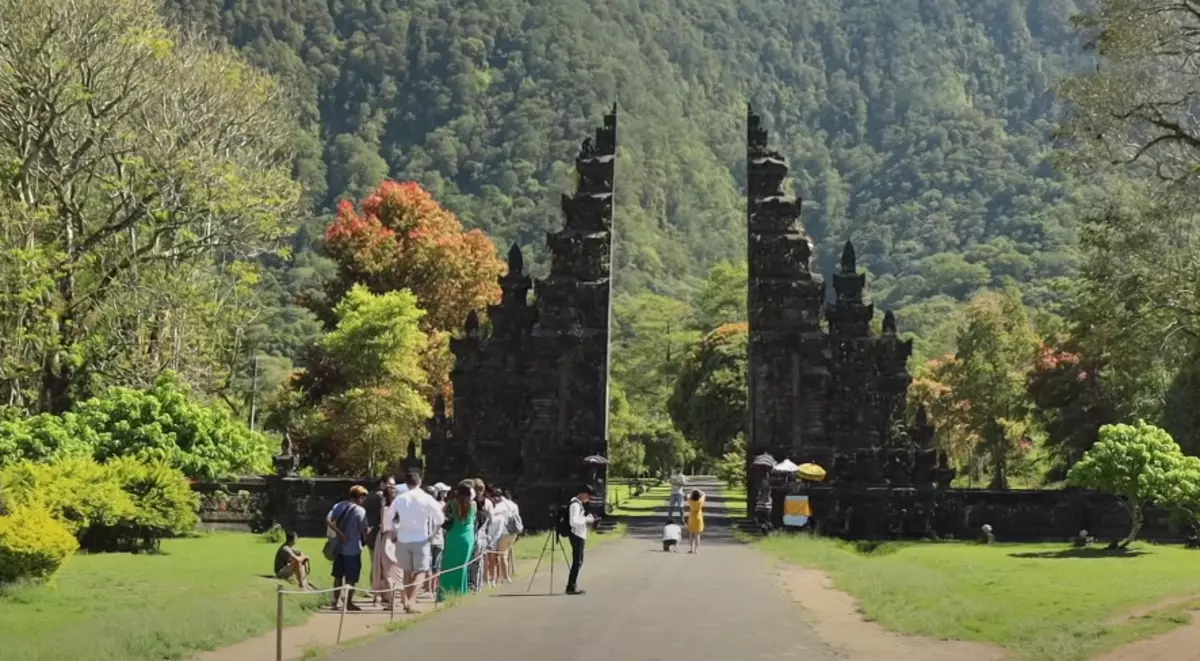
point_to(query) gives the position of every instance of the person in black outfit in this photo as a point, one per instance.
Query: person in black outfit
(578, 520)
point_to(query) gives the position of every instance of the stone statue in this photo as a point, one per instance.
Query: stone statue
(286, 462)
(849, 260)
(1082, 540)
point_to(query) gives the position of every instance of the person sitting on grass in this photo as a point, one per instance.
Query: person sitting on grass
(291, 562)
(672, 533)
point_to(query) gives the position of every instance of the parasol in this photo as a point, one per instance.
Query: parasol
(764, 460)
(811, 472)
(786, 466)
(595, 460)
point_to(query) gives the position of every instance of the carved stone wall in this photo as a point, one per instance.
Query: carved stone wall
(1015, 515)
(530, 396)
(837, 396)
(833, 394)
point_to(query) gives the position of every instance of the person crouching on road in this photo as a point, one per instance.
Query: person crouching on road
(671, 535)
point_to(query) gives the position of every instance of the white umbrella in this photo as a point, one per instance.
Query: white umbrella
(786, 466)
(764, 460)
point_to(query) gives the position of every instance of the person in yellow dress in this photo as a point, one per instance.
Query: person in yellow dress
(695, 520)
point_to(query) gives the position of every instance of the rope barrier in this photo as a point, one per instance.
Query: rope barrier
(347, 589)
(400, 587)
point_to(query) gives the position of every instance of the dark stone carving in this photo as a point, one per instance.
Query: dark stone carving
(530, 395)
(286, 462)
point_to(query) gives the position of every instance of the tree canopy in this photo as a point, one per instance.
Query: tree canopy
(139, 166)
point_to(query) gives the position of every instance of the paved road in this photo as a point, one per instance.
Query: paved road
(642, 605)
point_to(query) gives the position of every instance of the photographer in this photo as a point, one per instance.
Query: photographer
(578, 521)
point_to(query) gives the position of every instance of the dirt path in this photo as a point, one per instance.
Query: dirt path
(835, 618)
(1181, 644)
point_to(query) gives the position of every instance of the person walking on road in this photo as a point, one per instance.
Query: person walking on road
(579, 520)
(695, 520)
(678, 482)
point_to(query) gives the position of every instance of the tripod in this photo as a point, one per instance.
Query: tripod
(552, 541)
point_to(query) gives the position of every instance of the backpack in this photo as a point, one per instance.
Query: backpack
(563, 526)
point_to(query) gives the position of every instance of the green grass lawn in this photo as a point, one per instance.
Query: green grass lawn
(654, 498)
(735, 500)
(199, 593)
(529, 547)
(1039, 601)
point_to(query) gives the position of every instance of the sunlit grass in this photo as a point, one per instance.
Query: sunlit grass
(198, 594)
(1039, 601)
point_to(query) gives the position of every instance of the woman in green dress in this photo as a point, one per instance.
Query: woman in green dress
(460, 542)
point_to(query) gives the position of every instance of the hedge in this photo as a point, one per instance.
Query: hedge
(33, 544)
(124, 505)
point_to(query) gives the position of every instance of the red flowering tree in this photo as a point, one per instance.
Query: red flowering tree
(1068, 400)
(401, 238)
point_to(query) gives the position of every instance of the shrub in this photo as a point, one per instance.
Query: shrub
(78, 492)
(33, 544)
(124, 505)
(164, 424)
(159, 424)
(274, 535)
(165, 507)
(45, 437)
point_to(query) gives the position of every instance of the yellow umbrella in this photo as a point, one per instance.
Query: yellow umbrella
(811, 472)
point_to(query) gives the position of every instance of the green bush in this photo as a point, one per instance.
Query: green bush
(33, 544)
(78, 492)
(164, 424)
(165, 507)
(159, 424)
(45, 437)
(274, 535)
(124, 505)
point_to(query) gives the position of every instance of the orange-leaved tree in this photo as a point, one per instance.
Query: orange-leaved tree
(401, 238)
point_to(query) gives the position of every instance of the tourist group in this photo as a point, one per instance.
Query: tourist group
(412, 533)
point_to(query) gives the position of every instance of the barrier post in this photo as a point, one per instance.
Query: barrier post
(342, 619)
(279, 623)
(392, 617)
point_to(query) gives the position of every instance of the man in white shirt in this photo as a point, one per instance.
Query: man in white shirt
(672, 533)
(579, 519)
(411, 520)
(678, 482)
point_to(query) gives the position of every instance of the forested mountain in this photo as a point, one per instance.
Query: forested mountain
(919, 128)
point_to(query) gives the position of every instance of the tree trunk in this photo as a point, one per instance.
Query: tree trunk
(1000, 478)
(56, 385)
(1135, 526)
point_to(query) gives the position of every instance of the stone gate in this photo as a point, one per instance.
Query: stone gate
(531, 387)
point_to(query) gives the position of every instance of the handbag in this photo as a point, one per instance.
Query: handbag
(514, 526)
(330, 548)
